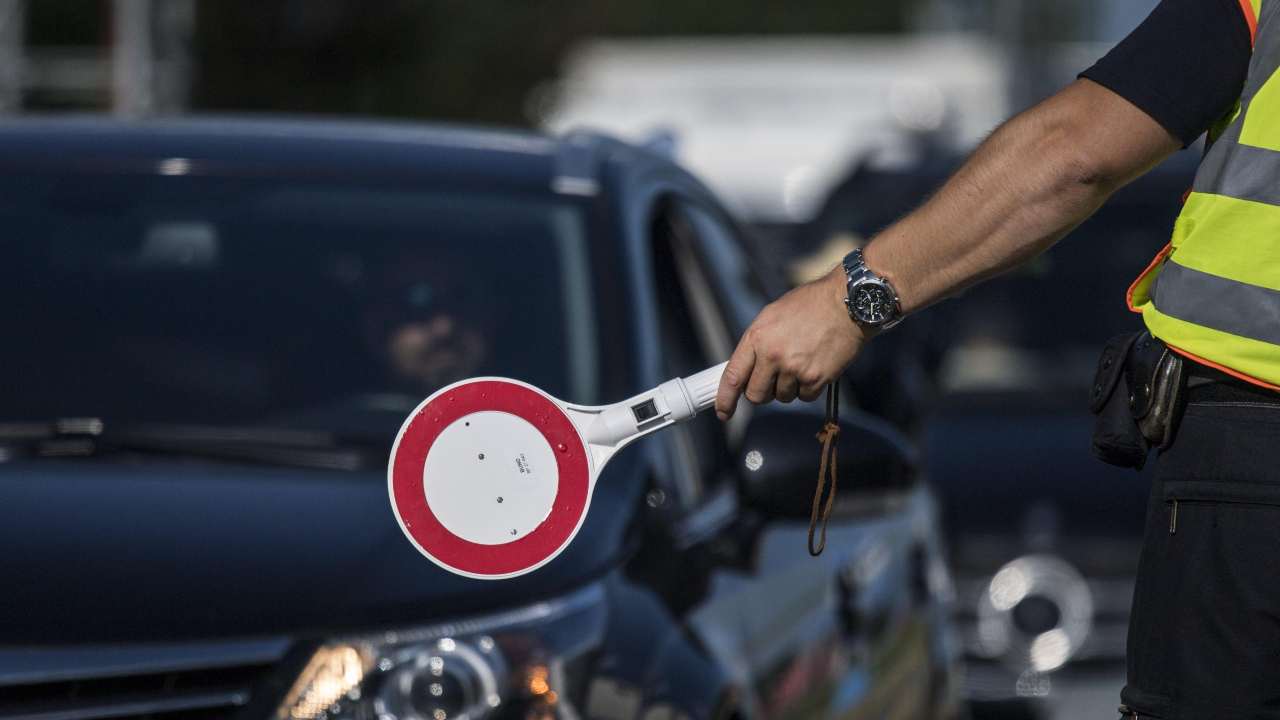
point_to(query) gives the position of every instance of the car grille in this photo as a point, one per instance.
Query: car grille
(164, 682)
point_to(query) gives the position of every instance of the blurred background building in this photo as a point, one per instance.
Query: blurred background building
(820, 121)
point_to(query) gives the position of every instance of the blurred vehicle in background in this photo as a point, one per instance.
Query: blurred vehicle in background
(1043, 537)
(214, 328)
(807, 107)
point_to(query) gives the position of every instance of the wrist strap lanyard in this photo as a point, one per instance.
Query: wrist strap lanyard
(827, 436)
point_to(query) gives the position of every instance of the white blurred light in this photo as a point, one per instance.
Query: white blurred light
(802, 188)
(174, 166)
(1008, 588)
(917, 105)
(332, 672)
(1050, 650)
(1033, 684)
(998, 632)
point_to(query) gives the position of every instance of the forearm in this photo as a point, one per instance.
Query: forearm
(1030, 183)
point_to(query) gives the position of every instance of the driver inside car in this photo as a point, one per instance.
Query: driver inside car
(424, 326)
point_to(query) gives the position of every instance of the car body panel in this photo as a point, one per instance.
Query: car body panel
(713, 610)
(260, 550)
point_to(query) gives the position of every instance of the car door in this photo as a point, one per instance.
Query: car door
(846, 634)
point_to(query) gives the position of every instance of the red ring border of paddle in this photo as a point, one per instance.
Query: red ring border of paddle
(409, 500)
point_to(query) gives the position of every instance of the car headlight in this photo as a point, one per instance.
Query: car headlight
(518, 664)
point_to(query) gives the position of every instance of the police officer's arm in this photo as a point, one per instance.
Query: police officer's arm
(1037, 177)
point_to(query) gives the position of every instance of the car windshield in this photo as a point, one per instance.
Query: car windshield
(287, 303)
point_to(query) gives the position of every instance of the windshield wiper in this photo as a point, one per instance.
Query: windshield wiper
(91, 437)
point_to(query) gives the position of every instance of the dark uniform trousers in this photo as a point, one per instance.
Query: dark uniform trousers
(1204, 635)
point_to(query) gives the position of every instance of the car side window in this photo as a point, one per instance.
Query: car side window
(737, 285)
(694, 337)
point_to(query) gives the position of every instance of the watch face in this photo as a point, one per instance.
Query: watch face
(872, 304)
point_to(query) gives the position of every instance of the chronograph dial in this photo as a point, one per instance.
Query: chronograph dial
(870, 298)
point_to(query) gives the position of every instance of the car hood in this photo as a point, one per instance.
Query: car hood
(106, 551)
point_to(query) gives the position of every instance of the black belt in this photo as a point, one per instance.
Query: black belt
(1206, 384)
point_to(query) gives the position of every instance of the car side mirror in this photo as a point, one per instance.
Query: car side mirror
(779, 456)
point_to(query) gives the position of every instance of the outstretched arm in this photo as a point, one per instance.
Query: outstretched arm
(1037, 177)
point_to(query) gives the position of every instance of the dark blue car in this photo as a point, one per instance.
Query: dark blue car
(211, 330)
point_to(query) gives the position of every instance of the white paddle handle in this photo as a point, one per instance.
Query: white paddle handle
(702, 386)
(671, 402)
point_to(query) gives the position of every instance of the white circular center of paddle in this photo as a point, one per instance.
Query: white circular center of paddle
(490, 477)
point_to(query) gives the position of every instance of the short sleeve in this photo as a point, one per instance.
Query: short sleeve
(1185, 65)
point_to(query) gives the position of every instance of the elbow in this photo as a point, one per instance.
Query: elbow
(1078, 167)
(1092, 141)
(1085, 170)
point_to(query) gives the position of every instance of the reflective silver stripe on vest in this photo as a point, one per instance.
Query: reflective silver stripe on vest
(1243, 171)
(1214, 302)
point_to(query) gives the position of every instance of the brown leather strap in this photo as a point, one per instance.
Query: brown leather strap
(826, 469)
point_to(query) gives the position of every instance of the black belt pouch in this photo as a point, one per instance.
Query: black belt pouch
(1116, 437)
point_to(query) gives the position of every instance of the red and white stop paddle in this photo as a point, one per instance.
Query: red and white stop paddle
(491, 478)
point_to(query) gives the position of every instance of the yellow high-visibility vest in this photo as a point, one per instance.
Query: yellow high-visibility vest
(1213, 294)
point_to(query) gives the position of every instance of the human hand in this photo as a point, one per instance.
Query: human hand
(794, 347)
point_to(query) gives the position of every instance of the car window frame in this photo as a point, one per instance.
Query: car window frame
(717, 504)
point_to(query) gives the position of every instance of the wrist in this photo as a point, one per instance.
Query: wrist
(874, 257)
(837, 288)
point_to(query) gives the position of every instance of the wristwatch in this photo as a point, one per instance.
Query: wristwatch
(871, 300)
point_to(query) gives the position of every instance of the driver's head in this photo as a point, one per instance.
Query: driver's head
(427, 321)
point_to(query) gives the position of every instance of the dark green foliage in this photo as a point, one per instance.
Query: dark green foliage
(474, 61)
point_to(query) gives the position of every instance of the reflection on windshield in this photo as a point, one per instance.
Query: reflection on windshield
(234, 301)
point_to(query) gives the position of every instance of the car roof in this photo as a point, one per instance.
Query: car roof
(307, 146)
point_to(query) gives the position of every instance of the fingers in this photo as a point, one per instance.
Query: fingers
(788, 387)
(760, 388)
(792, 348)
(811, 392)
(734, 380)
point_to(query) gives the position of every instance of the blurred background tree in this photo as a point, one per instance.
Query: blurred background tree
(473, 61)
